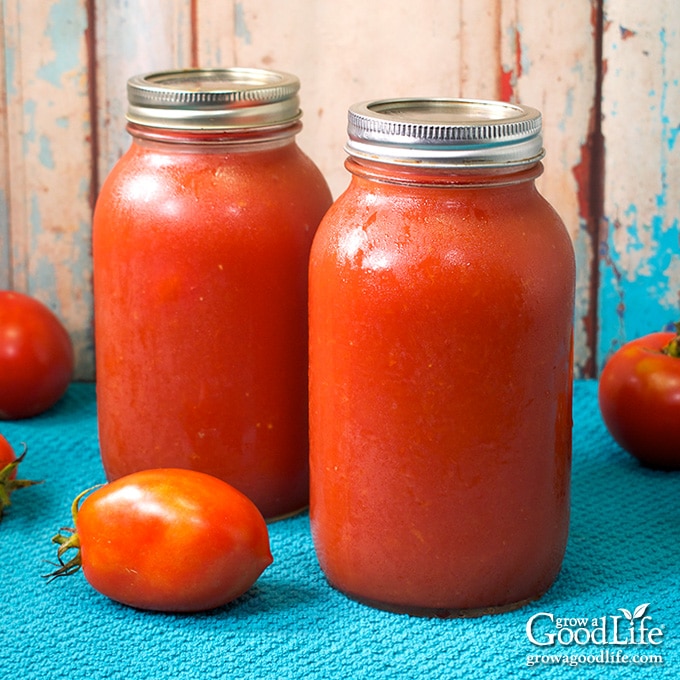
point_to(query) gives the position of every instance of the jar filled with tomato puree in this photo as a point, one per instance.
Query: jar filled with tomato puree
(201, 243)
(441, 316)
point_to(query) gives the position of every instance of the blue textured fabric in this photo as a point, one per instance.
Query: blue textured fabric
(623, 552)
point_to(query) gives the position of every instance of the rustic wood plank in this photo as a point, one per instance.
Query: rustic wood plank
(133, 37)
(640, 247)
(215, 30)
(5, 270)
(480, 49)
(49, 157)
(549, 61)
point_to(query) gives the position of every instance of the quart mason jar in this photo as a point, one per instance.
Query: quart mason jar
(201, 242)
(441, 317)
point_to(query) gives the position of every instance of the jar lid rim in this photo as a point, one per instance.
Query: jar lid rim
(213, 98)
(445, 131)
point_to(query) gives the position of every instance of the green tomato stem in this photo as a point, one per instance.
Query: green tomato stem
(672, 349)
(67, 539)
(9, 485)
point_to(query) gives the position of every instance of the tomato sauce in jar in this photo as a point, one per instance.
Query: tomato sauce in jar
(441, 324)
(201, 242)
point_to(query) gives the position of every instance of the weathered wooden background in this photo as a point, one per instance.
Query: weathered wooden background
(604, 73)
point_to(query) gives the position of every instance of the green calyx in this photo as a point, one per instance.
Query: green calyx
(67, 539)
(9, 485)
(672, 349)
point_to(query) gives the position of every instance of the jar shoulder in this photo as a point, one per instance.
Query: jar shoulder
(245, 177)
(443, 218)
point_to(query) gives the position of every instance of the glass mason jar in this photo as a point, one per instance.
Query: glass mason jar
(441, 319)
(201, 243)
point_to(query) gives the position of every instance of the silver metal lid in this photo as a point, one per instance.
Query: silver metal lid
(445, 132)
(213, 99)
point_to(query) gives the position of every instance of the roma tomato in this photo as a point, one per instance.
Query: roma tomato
(8, 473)
(639, 395)
(36, 356)
(167, 540)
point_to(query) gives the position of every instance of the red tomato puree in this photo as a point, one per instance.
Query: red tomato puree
(440, 350)
(201, 330)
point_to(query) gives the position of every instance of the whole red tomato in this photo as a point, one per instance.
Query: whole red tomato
(36, 356)
(639, 395)
(8, 473)
(167, 540)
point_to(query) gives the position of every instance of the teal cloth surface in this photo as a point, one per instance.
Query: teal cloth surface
(623, 552)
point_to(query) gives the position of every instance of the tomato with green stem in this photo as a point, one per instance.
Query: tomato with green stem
(9, 483)
(166, 540)
(639, 396)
